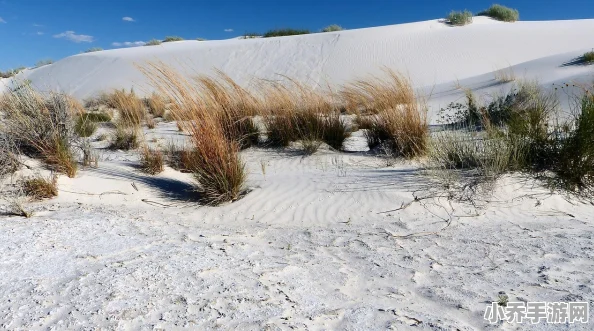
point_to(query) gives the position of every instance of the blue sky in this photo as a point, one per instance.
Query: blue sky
(33, 30)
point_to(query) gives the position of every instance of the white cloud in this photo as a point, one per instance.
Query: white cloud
(2, 21)
(228, 30)
(128, 19)
(128, 43)
(39, 33)
(77, 38)
(38, 25)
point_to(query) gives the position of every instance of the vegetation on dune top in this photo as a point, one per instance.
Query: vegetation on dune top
(333, 27)
(501, 13)
(153, 42)
(284, 32)
(459, 18)
(94, 49)
(172, 38)
(588, 58)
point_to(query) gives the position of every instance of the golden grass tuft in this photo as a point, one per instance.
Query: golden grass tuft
(40, 188)
(151, 160)
(156, 105)
(400, 117)
(130, 107)
(218, 168)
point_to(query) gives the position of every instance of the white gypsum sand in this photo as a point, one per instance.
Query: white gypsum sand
(319, 242)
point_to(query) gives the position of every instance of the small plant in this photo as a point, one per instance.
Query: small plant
(153, 42)
(12, 72)
(124, 138)
(94, 49)
(130, 106)
(156, 105)
(502, 300)
(284, 32)
(40, 188)
(42, 63)
(332, 28)
(459, 18)
(9, 160)
(335, 130)
(172, 38)
(501, 13)
(151, 160)
(587, 58)
(150, 123)
(200, 39)
(251, 35)
(96, 117)
(84, 127)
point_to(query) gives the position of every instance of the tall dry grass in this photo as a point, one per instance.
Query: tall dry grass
(216, 164)
(398, 117)
(130, 107)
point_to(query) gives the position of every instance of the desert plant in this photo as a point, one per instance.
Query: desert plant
(335, 130)
(251, 35)
(587, 58)
(332, 28)
(151, 160)
(284, 32)
(501, 13)
(400, 120)
(200, 39)
(129, 105)
(94, 49)
(42, 63)
(217, 166)
(9, 156)
(40, 188)
(156, 104)
(11, 72)
(459, 18)
(125, 138)
(153, 42)
(84, 127)
(172, 38)
(41, 126)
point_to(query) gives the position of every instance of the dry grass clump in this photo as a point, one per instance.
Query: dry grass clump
(400, 120)
(284, 32)
(84, 127)
(217, 167)
(332, 28)
(179, 157)
(129, 105)
(172, 38)
(125, 138)
(40, 188)
(9, 156)
(156, 105)
(151, 160)
(41, 126)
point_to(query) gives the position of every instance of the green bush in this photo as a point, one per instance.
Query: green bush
(84, 128)
(284, 32)
(501, 13)
(459, 18)
(332, 28)
(172, 38)
(588, 57)
(153, 42)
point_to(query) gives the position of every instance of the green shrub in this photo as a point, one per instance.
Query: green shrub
(332, 28)
(84, 127)
(94, 49)
(172, 38)
(251, 35)
(284, 32)
(124, 138)
(97, 117)
(42, 63)
(459, 18)
(587, 58)
(153, 42)
(501, 13)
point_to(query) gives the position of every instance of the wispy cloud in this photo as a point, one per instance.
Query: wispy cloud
(77, 38)
(228, 30)
(2, 21)
(39, 33)
(128, 43)
(128, 19)
(38, 25)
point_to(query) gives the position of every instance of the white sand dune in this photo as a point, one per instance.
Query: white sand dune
(432, 53)
(317, 243)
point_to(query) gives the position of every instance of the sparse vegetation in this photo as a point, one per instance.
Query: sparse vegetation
(332, 28)
(42, 63)
(501, 13)
(125, 138)
(151, 160)
(153, 42)
(251, 35)
(41, 126)
(11, 72)
(587, 58)
(130, 107)
(40, 188)
(172, 38)
(9, 162)
(284, 32)
(459, 18)
(216, 164)
(94, 49)
(84, 127)
(156, 104)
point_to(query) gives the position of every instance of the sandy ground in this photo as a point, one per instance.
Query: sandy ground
(313, 245)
